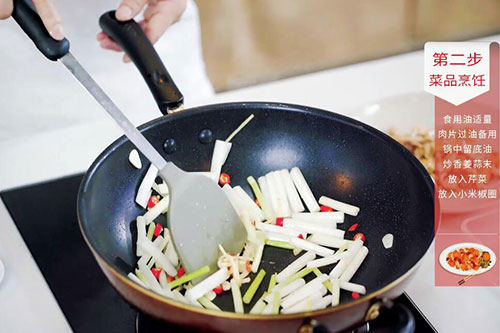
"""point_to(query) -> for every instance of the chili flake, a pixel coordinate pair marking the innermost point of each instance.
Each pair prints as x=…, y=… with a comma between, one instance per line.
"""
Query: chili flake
x=156, y=272
x=353, y=227
x=325, y=209
x=359, y=235
x=224, y=179
x=158, y=230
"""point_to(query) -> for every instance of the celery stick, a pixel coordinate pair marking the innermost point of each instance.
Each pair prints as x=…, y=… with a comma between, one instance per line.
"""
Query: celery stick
x=276, y=302
x=272, y=283
x=151, y=230
x=258, y=194
x=298, y=275
x=247, y=298
x=280, y=244
x=188, y=277
x=327, y=283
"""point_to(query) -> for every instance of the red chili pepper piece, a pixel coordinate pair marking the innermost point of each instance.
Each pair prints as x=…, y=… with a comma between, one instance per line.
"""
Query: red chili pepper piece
x=156, y=272
x=153, y=200
x=279, y=221
x=257, y=202
x=300, y=236
x=355, y=295
x=170, y=278
x=224, y=179
x=359, y=235
x=181, y=272
x=325, y=209
x=158, y=230
x=353, y=227
x=217, y=290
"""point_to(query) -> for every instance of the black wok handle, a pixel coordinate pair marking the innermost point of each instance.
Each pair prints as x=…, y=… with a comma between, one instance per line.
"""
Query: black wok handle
x=26, y=16
x=130, y=37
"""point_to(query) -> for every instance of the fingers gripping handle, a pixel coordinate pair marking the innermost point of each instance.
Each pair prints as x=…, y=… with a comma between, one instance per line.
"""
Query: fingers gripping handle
x=130, y=37
x=28, y=19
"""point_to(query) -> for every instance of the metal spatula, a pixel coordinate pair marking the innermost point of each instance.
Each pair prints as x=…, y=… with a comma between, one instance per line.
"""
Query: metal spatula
x=200, y=215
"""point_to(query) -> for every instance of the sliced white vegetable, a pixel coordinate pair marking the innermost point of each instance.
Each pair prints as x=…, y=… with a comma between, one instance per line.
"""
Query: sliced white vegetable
x=141, y=233
x=354, y=264
x=258, y=257
x=304, y=190
x=135, y=159
x=273, y=194
x=250, y=205
x=331, y=217
x=280, y=237
x=310, y=228
x=226, y=285
x=207, y=284
x=354, y=287
x=323, y=303
x=307, y=290
x=276, y=229
x=353, y=249
x=327, y=260
x=207, y=304
x=157, y=210
x=161, y=189
x=304, y=304
x=329, y=241
x=172, y=254
x=264, y=204
x=210, y=295
x=219, y=157
x=295, y=266
x=309, y=246
x=285, y=290
x=264, y=188
x=134, y=278
x=160, y=259
x=291, y=193
x=144, y=191
x=234, y=199
x=163, y=280
x=340, y=206
x=259, y=307
x=235, y=291
x=247, y=223
x=387, y=240
x=335, y=291
x=282, y=200
x=150, y=279
x=268, y=310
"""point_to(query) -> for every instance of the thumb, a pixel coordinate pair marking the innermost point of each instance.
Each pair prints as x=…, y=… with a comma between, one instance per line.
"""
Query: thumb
x=128, y=9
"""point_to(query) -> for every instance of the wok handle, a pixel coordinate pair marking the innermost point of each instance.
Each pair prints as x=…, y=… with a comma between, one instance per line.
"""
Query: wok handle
x=130, y=37
x=26, y=16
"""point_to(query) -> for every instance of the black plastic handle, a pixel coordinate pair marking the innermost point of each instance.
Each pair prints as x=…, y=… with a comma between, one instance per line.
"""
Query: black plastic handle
x=130, y=37
x=27, y=17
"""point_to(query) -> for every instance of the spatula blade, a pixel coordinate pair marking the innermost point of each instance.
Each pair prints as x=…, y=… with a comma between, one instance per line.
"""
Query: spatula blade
x=200, y=218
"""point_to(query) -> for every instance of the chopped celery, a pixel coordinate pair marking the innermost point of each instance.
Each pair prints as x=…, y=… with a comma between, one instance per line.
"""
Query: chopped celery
x=151, y=230
x=272, y=283
x=280, y=244
x=260, y=198
x=298, y=275
x=327, y=283
x=207, y=304
x=188, y=277
x=276, y=302
x=247, y=298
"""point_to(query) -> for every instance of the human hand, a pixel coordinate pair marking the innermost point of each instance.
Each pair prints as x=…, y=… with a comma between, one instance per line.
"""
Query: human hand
x=158, y=16
x=45, y=9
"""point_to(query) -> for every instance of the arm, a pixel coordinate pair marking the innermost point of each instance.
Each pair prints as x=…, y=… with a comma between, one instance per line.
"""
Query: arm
x=158, y=16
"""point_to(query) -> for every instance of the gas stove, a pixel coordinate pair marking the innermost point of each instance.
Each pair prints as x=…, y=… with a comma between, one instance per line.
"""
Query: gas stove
x=50, y=229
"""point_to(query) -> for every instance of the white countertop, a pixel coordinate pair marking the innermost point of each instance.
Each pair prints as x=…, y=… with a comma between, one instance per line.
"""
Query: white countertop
x=70, y=148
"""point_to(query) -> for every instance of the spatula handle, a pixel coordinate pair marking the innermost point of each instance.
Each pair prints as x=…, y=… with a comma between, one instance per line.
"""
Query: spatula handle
x=130, y=37
x=27, y=17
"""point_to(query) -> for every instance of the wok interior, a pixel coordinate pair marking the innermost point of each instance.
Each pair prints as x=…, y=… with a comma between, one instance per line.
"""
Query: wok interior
x=339, y=157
